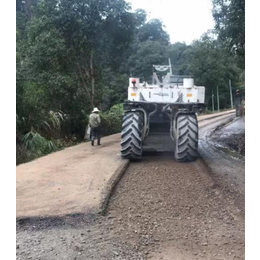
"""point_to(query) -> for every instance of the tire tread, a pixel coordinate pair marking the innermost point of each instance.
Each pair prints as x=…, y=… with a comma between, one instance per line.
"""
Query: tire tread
x=131, y=136
x=187, y=138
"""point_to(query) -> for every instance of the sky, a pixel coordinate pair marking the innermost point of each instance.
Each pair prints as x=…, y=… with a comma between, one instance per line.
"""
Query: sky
x=184, y=20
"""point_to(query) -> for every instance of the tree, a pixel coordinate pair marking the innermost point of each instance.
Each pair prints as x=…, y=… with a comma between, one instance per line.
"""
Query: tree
x=153, y=31
x=148, y=48
x=88, y=34
x=179, y=61
x=63, y=49
x=229, y=16
x=212, y=67
x=146, y=55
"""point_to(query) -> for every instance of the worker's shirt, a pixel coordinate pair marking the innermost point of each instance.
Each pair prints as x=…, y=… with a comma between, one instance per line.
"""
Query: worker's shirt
x=94, y=120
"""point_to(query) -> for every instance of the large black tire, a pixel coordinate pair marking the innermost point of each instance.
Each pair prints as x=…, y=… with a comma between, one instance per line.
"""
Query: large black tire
x=131, y=136
x=186, y=149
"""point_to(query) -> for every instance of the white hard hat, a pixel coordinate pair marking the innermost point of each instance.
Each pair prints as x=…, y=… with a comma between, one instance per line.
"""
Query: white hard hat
x=95, y=110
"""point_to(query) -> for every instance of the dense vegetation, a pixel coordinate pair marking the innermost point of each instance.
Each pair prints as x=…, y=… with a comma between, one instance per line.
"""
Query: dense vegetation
x=73, y=55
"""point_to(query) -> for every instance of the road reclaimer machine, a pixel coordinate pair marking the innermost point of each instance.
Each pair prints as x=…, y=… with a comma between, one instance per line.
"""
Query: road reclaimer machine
x=162, y=116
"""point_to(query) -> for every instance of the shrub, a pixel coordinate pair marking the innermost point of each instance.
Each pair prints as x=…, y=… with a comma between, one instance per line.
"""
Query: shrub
x=23, y=155
x=111, y=121
x=37, y=144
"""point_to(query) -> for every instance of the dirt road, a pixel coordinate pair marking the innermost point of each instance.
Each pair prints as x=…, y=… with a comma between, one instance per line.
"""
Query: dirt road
x=68, y=181
x=161, y=209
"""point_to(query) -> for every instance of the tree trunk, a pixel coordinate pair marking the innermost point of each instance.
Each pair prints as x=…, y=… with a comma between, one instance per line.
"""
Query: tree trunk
x=85, y=86
x=90, y=74
x=92, y=78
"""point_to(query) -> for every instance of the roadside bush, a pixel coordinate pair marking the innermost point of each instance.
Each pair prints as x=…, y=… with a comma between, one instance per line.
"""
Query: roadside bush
x=23, y=155
x=111, y=121
x=33, y=144
x=37, y=144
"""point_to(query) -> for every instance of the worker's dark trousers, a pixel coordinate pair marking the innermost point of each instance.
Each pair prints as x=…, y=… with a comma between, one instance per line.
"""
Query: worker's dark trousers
x=95, y=134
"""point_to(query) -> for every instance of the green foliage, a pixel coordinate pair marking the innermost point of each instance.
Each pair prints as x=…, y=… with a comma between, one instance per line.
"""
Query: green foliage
x=115, y=88
x=211, y=67
x=153, y=31
x=111, y=121
x=230, y=25
x=56, y=118
x=37, y=144
x=149, y=47
x=147, y=54
x=61, y=52
x=179, y=55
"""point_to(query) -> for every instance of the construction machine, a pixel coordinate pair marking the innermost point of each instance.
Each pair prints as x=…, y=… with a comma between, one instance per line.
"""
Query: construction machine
x=162, y=116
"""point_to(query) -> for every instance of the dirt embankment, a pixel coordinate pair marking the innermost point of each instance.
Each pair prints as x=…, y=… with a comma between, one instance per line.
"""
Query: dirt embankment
x=231, y=136
x=235, y=142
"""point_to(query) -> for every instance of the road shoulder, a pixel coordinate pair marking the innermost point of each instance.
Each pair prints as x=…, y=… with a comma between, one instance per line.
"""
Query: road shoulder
x=72, y=181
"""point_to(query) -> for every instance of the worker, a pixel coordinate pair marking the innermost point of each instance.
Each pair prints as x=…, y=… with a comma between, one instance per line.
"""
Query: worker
x=95, y=125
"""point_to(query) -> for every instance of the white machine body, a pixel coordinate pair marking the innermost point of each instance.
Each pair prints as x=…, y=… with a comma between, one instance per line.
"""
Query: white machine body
x=172, y=89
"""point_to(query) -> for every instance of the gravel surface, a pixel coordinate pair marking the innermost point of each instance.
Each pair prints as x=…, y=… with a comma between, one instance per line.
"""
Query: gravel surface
x=160, y=209
x=170, y=206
